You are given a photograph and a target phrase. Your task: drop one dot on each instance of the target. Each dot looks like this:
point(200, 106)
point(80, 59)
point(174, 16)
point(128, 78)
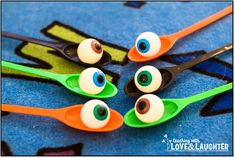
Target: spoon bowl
point(167, 77)
point(72, 119)
point(171, 110)
point(71, 82)
point(70, 52)
point(166, 43)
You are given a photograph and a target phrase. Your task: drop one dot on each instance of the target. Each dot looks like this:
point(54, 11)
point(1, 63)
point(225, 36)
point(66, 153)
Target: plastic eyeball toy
point(92, 80)
point(148, 79)
point(90, 51)
point(148, 44)
point(95, 114)
point(149, 108)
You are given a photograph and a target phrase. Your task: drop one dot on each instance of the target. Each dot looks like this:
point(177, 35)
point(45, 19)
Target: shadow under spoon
point(68, 50)
point(169, 74)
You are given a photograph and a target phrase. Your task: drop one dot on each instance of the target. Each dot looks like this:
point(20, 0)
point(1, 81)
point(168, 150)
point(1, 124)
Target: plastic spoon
point(68, 115)
point(70, 81)
point(169, 74)
point(68, 50)
point(173, 107)
point(168, 41)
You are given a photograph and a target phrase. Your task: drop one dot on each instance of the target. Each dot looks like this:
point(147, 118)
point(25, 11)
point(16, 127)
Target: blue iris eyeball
point(92, 81)
point(99, 78)
point(148, 44)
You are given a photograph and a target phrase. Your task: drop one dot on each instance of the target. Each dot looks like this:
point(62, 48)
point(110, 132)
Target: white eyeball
point(148, 44)
point(92, 80)
point(90, 51)
point(95, 114)
point(148, 79)
point(149, 108)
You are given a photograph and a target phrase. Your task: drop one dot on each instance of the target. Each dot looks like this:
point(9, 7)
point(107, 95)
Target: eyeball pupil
point(101, 111)
point(100, 78)
point(97, 46)
point(143, 78)
point(142, 46)
point(141, 105)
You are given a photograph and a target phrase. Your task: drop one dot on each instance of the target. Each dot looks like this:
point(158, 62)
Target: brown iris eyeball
point(90, 51)
point(143, 106)
point(149, 108)
point(96, 46)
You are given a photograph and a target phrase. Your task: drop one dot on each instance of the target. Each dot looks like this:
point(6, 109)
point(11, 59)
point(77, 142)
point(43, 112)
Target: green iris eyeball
point(148, 79)
point(95, 114)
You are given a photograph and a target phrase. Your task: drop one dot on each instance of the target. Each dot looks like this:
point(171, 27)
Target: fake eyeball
point(95, 114)
point(149, 108)
point(90, 51)
point(148, 44)
point(148, 79)
point(92, 80)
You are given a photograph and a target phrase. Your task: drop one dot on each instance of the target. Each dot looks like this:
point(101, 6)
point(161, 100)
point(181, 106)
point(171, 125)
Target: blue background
point(118, 24)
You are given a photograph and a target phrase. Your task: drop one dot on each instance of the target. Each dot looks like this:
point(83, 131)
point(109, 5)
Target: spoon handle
point(203, 58)
point(32, 40)
point(27, 110)
point(32, 71)
point(207, 94)
point(203, 23)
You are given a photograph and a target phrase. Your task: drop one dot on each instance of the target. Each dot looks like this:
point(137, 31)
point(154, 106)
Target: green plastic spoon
point(70, 81)
point(173, 107)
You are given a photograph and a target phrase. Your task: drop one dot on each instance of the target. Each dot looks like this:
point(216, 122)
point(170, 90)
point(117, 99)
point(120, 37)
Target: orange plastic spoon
point(68, 115)
point(168, 41)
